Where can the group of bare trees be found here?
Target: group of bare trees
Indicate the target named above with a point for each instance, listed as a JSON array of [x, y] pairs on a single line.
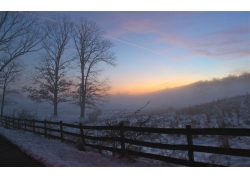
[[49, 77], [19, 34], [63, 46], [91, 50]]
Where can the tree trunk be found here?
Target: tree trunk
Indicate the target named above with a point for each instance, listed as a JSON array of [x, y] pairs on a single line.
[[83, 102], [83, 106], [55, 107], [3, 98], [56, 89], [83, 92], [55, 100], [2, 104]]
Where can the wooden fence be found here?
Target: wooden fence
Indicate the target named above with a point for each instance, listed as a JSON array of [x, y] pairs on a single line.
[[116, 138]]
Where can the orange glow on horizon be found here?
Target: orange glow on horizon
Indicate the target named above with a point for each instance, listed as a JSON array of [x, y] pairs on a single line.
[[143, 88]]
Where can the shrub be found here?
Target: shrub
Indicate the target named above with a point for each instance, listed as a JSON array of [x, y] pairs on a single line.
[[93, 116]]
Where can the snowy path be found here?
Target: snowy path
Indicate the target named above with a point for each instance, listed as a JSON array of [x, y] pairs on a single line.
[[12, 156], [54, 153]]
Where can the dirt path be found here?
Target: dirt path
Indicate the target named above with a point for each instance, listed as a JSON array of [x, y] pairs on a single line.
[[12, 156]]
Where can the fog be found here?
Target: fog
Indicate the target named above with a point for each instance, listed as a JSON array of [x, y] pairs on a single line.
[[193, 94]]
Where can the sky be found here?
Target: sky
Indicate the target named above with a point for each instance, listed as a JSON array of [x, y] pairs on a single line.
[[156, 50]]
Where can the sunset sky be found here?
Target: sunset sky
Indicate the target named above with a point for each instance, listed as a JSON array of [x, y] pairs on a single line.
[[157, 50]]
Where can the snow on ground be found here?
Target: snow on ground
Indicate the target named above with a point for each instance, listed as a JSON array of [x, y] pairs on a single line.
[[58, 154], [229, 113], [54, 153]]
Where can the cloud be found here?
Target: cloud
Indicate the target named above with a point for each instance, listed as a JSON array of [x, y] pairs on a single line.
[[158, 23], [231, 43], [143, 26]]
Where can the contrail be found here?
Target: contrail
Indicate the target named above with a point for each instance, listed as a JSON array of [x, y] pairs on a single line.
[[155, 52], [135, 45]]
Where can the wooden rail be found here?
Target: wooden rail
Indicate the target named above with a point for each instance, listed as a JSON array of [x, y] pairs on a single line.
[[107, 136]]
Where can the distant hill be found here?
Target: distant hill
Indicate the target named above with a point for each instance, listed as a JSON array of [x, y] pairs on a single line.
[[192, 94], [189, 95]]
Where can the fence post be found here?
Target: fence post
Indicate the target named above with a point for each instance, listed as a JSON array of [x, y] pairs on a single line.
[[61, 130], [190, 146], [9, 123], [5, 122], [18, 123], [13, 123], [82, 135], [33, 123], [25, 121], [122, 137], [45, 128]]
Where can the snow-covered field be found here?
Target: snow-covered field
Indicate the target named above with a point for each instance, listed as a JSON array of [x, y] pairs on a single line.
[[54, 153], [223, 113]]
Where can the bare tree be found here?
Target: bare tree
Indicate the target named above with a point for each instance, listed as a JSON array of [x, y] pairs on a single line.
[[91, 49], [8, 76], [51, 84], [96, 93], [19, 34]]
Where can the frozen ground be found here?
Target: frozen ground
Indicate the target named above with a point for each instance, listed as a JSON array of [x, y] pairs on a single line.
[[58, 154], [223, 113]]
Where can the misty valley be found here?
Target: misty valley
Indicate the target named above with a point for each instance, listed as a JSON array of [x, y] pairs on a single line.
[[223, 112], [178, 94]]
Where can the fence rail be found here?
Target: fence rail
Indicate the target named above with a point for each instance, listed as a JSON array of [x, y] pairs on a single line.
[[84, 134]]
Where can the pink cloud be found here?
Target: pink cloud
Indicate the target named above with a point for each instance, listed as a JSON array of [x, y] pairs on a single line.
[[231, 43], [228, 43], [175, 40], [143, 26]]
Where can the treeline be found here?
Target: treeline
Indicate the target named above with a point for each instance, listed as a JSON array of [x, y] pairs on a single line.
[[193, 94], [63, 46], [229, 79], [234, 104]]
